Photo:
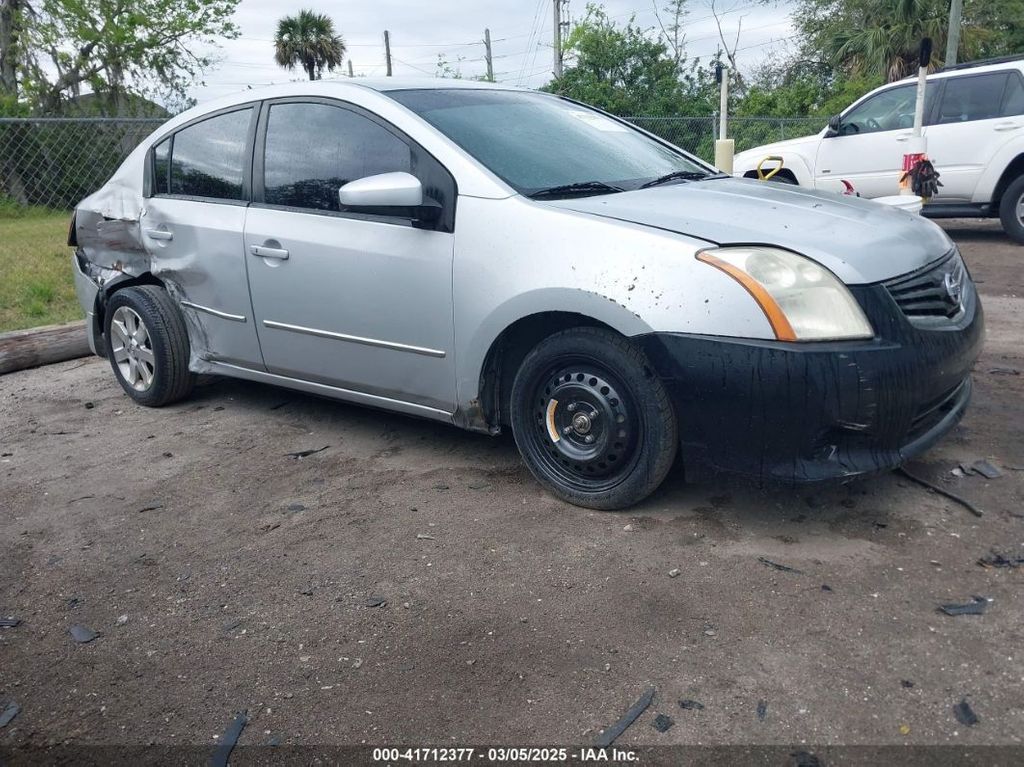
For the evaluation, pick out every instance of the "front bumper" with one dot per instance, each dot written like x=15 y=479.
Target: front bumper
x=816 y=411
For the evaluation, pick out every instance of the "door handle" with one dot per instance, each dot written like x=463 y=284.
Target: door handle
x=159 y=234
x=264 y=252
x=903 y=136
x=1006 y=126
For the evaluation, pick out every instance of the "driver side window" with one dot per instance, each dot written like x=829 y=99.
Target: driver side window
x=889 y=110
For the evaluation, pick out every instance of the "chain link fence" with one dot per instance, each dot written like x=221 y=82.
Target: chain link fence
x=55 y=162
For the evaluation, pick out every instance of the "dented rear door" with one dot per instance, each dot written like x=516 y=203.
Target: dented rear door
x=192 y=228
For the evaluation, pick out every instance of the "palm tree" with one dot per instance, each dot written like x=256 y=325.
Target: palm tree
x=308 y=40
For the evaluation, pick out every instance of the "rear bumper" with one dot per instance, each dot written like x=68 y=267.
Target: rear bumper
x=806 y=412
x=86 y=290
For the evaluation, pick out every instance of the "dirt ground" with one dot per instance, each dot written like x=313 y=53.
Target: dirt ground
x=410 y=583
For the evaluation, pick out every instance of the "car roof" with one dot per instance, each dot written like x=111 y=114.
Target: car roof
x=346 y=86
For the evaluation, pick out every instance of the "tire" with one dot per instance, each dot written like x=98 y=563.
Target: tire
x=1011 y=210
x=147 y=346
x=592 y=423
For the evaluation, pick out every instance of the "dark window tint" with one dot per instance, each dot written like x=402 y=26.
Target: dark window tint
x=161 y=165
x=972 y=98
x=312 y=150
x=207 y=158
x=892 y=109
x=1013 y=102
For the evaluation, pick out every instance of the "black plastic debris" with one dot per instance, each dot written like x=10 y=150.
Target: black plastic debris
x=964 y=713
x=906 y=684
x=376 y=602
x=762 y=710
x=986 y=469
x=82 y=634
x=826 y=587
x=777 y=566
x=151 y=507
x=306 y=453
x=995 y=559
x=1004 y=372
x=663 y=723
x=229 y=739
x=804 y=759
x=941 y=491
x=691 y=705
x=608 y=737
x=9 y=623
x=976 y=606
x=8 y=713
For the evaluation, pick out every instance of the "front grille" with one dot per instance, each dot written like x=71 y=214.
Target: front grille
x=936 y=291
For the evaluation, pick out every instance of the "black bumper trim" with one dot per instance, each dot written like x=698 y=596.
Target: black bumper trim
x=808 y=412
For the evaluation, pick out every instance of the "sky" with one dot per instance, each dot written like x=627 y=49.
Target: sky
x=521 y=37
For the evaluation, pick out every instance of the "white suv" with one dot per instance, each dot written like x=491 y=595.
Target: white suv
x=974 y=123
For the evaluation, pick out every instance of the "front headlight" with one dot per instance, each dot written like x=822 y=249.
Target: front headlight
x=802 y=300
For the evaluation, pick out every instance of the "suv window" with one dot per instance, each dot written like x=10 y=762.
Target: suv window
x=977 y=97
x=892 y=109
x=1013 y=101
x=312 y=150
x=207 y=157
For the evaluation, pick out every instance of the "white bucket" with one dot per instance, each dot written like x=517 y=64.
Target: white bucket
x=908 y=202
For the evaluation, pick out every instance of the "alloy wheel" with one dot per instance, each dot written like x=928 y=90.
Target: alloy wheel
x=132 y=348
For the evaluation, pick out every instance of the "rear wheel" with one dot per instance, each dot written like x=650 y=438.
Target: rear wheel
x=591 y=421
x=148 y=345
x=1011 y=210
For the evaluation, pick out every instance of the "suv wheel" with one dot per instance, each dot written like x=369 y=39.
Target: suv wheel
x=591 y=421
x=148 y=345
x=1011 y=210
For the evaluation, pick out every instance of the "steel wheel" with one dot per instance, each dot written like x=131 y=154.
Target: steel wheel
x=132 y=349
x=586 y=426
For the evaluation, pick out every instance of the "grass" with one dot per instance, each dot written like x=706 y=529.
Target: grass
x=36 y=287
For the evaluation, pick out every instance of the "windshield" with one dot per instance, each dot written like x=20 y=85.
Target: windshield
x=536 y=143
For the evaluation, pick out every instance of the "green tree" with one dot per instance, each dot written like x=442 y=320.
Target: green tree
x=881 y=38
x=308 y=40
x=624 y=70
x=111 y=48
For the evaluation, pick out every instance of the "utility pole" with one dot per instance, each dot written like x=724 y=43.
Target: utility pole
x=558 y=38
x=956 y=9
x=350 y=68
x=490 y=61
x=387 y=50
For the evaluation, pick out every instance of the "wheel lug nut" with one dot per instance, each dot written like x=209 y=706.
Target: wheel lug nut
x=590 y=439
x=593 y=414
x=572 y=407
x=567 y=430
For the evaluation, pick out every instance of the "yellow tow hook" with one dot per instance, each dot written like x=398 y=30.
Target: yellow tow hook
x=761 y=175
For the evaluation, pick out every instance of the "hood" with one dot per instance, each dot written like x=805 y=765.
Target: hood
x=858 y=240
x=779 y=147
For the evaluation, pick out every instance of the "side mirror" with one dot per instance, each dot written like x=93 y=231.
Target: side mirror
x=386 y=190
x=835 y=124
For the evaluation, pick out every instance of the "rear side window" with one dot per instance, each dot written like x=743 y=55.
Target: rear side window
x=207 y=158
x=162 y=167
x=312 y=150
x=978 y=97
x=1013 y=102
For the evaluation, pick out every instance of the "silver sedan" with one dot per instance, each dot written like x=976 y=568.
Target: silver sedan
x=502 y=259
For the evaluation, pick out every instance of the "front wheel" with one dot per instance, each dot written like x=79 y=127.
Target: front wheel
x=592 y=422
x=1011 y=210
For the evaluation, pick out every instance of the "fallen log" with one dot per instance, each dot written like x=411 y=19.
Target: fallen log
x=22 y=349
